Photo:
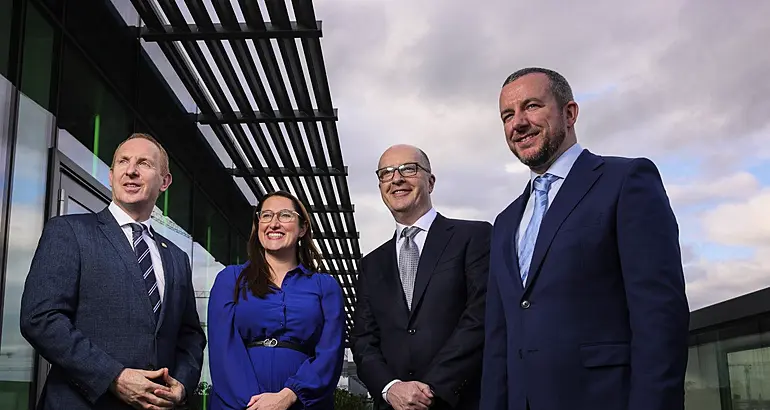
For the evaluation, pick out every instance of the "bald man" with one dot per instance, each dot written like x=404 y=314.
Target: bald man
x=418 y=327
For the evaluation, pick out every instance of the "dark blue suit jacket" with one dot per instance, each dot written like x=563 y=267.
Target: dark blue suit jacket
x=602 y=322
x=85 y=309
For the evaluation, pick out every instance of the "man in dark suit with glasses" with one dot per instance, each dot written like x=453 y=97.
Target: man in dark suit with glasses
x=418 y=335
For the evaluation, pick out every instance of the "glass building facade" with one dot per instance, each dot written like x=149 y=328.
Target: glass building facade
x=729 y=361
x=75 y=80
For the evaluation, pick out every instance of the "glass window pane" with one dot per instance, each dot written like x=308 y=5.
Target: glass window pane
x=238 y=245
x=6 y=14
x=6 y=95
x=27 y=214
x=89 y=111
x=173 y=212
x=37 y=63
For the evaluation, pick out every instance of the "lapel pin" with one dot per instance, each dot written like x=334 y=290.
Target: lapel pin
x=163 y=244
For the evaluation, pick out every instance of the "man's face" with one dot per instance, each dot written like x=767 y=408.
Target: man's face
x=405 y=194
x=535 y=125
x=137 y=177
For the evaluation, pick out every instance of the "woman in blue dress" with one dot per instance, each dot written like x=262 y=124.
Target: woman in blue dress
x=276 y=325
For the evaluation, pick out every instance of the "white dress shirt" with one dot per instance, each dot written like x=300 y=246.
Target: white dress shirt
x=157 y=265
x=560 y=168
x=424 y=224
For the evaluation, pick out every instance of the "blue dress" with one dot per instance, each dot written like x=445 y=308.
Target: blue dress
x=308 y=310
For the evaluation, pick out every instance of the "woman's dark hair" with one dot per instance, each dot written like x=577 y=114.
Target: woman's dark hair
x=256 y=276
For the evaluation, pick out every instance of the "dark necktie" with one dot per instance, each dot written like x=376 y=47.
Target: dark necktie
x=145 y=265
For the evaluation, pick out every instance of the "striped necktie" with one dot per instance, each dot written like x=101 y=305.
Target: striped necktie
x=541 y=185
x=145 y=265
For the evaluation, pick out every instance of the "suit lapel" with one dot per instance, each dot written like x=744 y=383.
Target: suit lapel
x=580 y=179
x=168 y=274
x=440 y=232
x=110 y=228
x=509 y=231
x=392 y=278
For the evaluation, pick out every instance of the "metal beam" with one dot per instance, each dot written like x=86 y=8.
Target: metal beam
x=287 y=172
x=322 y=209
x=336 y=235
x=265 y=118
x=194 y=32
x=337 y=256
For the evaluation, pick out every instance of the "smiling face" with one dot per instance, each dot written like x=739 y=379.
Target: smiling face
x=407 y=197
x=138 y=176
x=279 y=233
x=537 y=129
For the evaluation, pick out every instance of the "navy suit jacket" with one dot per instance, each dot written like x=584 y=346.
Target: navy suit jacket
x=439 y=342
x=602 y=322
x=85 y=309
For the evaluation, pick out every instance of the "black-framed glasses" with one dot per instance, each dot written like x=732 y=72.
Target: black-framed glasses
x=409 y=169
x=284 y=216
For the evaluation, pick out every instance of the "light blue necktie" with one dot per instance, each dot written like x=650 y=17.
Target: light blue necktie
x=542 y=184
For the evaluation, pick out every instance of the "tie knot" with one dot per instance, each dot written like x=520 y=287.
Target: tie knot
x=543 y=182
x=137 y=228
x=410 y=232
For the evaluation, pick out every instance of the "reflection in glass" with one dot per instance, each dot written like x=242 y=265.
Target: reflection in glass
x=27 y=210
x=6 y=95
x=37 y=63
x=90 y=112
x=750 y=378
x=702 y=379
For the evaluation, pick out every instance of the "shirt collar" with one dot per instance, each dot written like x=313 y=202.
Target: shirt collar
x=423 y=223
x=562 y=165
x=124 y=219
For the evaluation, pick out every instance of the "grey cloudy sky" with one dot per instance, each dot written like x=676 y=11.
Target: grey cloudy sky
x=681 y=82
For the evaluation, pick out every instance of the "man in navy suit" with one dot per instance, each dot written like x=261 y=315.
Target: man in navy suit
x=586 y=307
x=419 y=319
x=110 y=303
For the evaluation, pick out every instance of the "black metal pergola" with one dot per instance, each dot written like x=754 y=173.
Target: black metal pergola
x=274 y=143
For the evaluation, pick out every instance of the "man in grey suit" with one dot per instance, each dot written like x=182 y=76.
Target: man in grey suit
x=110 y=303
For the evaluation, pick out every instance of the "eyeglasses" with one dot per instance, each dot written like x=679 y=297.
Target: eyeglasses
x=284 y=216
x=406 y=170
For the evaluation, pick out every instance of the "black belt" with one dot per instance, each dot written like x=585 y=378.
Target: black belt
x=272 y=342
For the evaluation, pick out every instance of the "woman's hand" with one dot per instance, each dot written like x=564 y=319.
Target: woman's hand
x=272 y=401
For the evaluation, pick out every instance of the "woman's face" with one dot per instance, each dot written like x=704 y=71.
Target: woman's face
x=279 y=225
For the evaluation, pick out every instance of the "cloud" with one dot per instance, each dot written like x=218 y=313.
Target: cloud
x=733 y=223
x=707 y=190
x=743 y=223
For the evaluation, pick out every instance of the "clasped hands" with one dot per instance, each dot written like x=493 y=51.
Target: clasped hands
x=137 y=388
x=272 y=401
x=411 y=395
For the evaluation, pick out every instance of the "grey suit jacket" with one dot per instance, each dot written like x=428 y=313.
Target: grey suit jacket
x=85 y=309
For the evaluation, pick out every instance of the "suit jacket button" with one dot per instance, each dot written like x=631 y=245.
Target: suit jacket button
x=411 y=373
x=412 y=331
x=525 y=304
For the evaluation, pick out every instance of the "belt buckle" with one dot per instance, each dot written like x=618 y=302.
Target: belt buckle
x=270 y=342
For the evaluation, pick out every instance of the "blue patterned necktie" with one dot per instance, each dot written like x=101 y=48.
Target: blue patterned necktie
x=408 y=259
x=145 y=265
x=542 y=185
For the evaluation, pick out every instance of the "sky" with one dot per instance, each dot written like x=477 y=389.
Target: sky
x=683 y=83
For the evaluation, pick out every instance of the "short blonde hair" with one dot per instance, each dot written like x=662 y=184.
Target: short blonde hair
x=139 y=135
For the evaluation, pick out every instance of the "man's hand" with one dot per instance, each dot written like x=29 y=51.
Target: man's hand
x=412 y=395
x=175 y=391
x=272 y=401
x=136 y=388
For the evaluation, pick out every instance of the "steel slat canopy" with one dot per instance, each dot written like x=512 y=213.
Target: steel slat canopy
x=287 y=142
